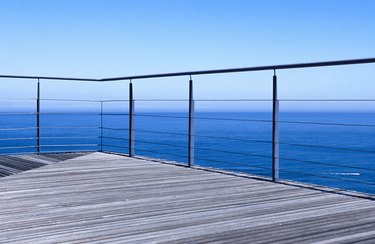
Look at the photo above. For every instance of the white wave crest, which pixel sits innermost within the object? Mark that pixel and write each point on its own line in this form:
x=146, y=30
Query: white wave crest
x=356, y=174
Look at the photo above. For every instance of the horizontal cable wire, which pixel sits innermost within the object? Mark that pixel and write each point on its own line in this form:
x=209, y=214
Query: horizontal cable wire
x=144, y=150
x=70, y=127
x=205, y=100
x=18, y=113
x=48, y=137
x=231, y=152
x=253, y=155
x=327, y=100
x=326, y=147
x=329, y=124
x=106, y=145
x=69, y=113
x=288, y=122
x=14, y=98
x=19, y=128
x=258, y=120
x=202, y=118
x=162, y=132
x=161, y=143
x=112, y=128
x=161, y=100
x=115, y=138
x=247, y=154
x=198, y=100
x=17, y=153
x=69, y=100
x=65, y=151
x=69, y=137
x=168, y=154
x=232, y=163
x=232, y=139
x=115, y=114
x=17, y=147
x=260, y=141
x=284, y=143
x=114, y=100
x=235, y=119
x=70, y=145
x=260, y=155
x=18, y=138
x=161, y=116
x=186, y=117
x=203, y=136
x=233, y=100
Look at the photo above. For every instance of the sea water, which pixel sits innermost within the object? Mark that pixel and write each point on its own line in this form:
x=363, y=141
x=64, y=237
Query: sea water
x=330, y=149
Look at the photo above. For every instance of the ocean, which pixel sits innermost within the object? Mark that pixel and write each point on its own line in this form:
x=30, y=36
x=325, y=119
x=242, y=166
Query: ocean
x=335, y=149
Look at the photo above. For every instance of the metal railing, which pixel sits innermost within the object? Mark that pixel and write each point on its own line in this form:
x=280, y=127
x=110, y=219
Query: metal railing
x=129, y=139
x=30, y=136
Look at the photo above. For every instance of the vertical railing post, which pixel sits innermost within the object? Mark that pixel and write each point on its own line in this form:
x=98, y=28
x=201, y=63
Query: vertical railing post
x=131, y=120
x=101, y=126
x=38, y=116
x=191, y=125
x=275, y=130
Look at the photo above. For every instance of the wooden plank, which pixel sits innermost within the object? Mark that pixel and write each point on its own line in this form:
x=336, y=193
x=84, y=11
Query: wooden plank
x=104, y=198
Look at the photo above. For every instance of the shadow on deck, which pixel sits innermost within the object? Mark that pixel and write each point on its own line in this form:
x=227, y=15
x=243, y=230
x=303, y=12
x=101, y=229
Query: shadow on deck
x=14, y=164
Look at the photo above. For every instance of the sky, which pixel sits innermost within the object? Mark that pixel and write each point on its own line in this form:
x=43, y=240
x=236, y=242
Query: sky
x=110, y=38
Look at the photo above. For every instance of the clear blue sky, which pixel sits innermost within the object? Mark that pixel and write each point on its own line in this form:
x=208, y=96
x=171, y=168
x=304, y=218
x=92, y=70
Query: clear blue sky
x=92, y=38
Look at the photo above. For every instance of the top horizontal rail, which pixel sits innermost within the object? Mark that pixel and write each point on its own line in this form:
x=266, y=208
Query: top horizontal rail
x=258, y=68
x=48, y=78
x=206, y=72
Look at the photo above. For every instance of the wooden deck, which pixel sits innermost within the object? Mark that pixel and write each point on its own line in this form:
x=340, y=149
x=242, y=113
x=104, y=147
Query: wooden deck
x=103, y=198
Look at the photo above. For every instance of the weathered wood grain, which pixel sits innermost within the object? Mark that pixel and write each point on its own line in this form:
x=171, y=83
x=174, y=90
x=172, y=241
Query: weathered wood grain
x=104, y=198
